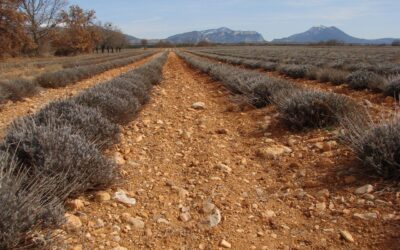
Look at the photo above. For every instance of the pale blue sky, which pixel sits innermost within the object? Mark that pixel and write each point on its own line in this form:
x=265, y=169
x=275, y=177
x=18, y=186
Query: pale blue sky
x=272, y=18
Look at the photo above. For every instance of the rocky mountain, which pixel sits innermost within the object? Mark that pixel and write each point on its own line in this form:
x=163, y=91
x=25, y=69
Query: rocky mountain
x=323, y=34
x=221, y=35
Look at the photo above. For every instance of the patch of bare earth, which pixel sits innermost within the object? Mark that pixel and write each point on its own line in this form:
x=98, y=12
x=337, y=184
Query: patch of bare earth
x=224, y=177
x=11, y=110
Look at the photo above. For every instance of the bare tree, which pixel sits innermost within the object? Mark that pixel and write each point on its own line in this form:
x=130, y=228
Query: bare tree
x=144, y=43
x=42, y=18
x=111, y=38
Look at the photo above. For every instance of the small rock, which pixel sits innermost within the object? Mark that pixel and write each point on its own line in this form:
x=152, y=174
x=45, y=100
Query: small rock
x=369, y=197
x=116, y=238
x=225, y=244
x=77, y=247
x=162, y=221
x=269, y=214
x=99, y=223
x=224, y=168
x=346, y=211
x=119, y=159
x=346, y=235
x=273, y=152
x=292, y=142
x=121, y=196
x=208, y=207
x=72, y=222
x=366, y=216
x=199, y=105
x=323, y=193
x=367, y=103
x=183, y=193
x=364, y=189
x=215, y=218
x=139, y=138
x=185, y=217
x=75, y=204
x=119, y=248
x=319, y=145
x=102, y=196
x=137, y=222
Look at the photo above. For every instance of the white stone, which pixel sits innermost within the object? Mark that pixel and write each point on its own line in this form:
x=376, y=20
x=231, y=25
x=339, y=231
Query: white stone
x=199, y=105
x=215, y=218
x=364, y=189
x=185, y=217
x=225, y=244
x=366, y=216
x=346, y=235
x=121, y=196
x=119, y=159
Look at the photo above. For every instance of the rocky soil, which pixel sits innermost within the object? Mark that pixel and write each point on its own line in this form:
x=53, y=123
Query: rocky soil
x=201, y=170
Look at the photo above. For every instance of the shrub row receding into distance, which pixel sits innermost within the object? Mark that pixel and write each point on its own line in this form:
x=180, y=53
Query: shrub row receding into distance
x=256, y=87
x=101, y=59
x=19, y=88
x=299, y=108
x=57, y=152
x=67, y=76
x=377, y=145
x=359, y=78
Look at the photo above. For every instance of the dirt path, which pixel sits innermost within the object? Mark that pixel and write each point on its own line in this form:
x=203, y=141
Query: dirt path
x=11, y=110
x=204, y=179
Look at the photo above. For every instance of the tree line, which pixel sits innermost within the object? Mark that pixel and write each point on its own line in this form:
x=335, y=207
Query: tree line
x=36, y=27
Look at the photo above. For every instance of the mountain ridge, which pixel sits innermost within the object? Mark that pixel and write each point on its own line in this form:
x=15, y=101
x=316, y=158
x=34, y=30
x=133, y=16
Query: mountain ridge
x=225, y=35
x=219, y=35
x=322, y=33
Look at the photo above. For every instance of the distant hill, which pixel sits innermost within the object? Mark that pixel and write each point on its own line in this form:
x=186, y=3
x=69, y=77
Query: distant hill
x=221, y=35
x=132, y=39
x=135, y=41
x=324, y=34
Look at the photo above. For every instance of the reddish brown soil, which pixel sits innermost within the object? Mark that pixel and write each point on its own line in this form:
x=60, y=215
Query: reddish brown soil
x=11, y=110
x=173, y=153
